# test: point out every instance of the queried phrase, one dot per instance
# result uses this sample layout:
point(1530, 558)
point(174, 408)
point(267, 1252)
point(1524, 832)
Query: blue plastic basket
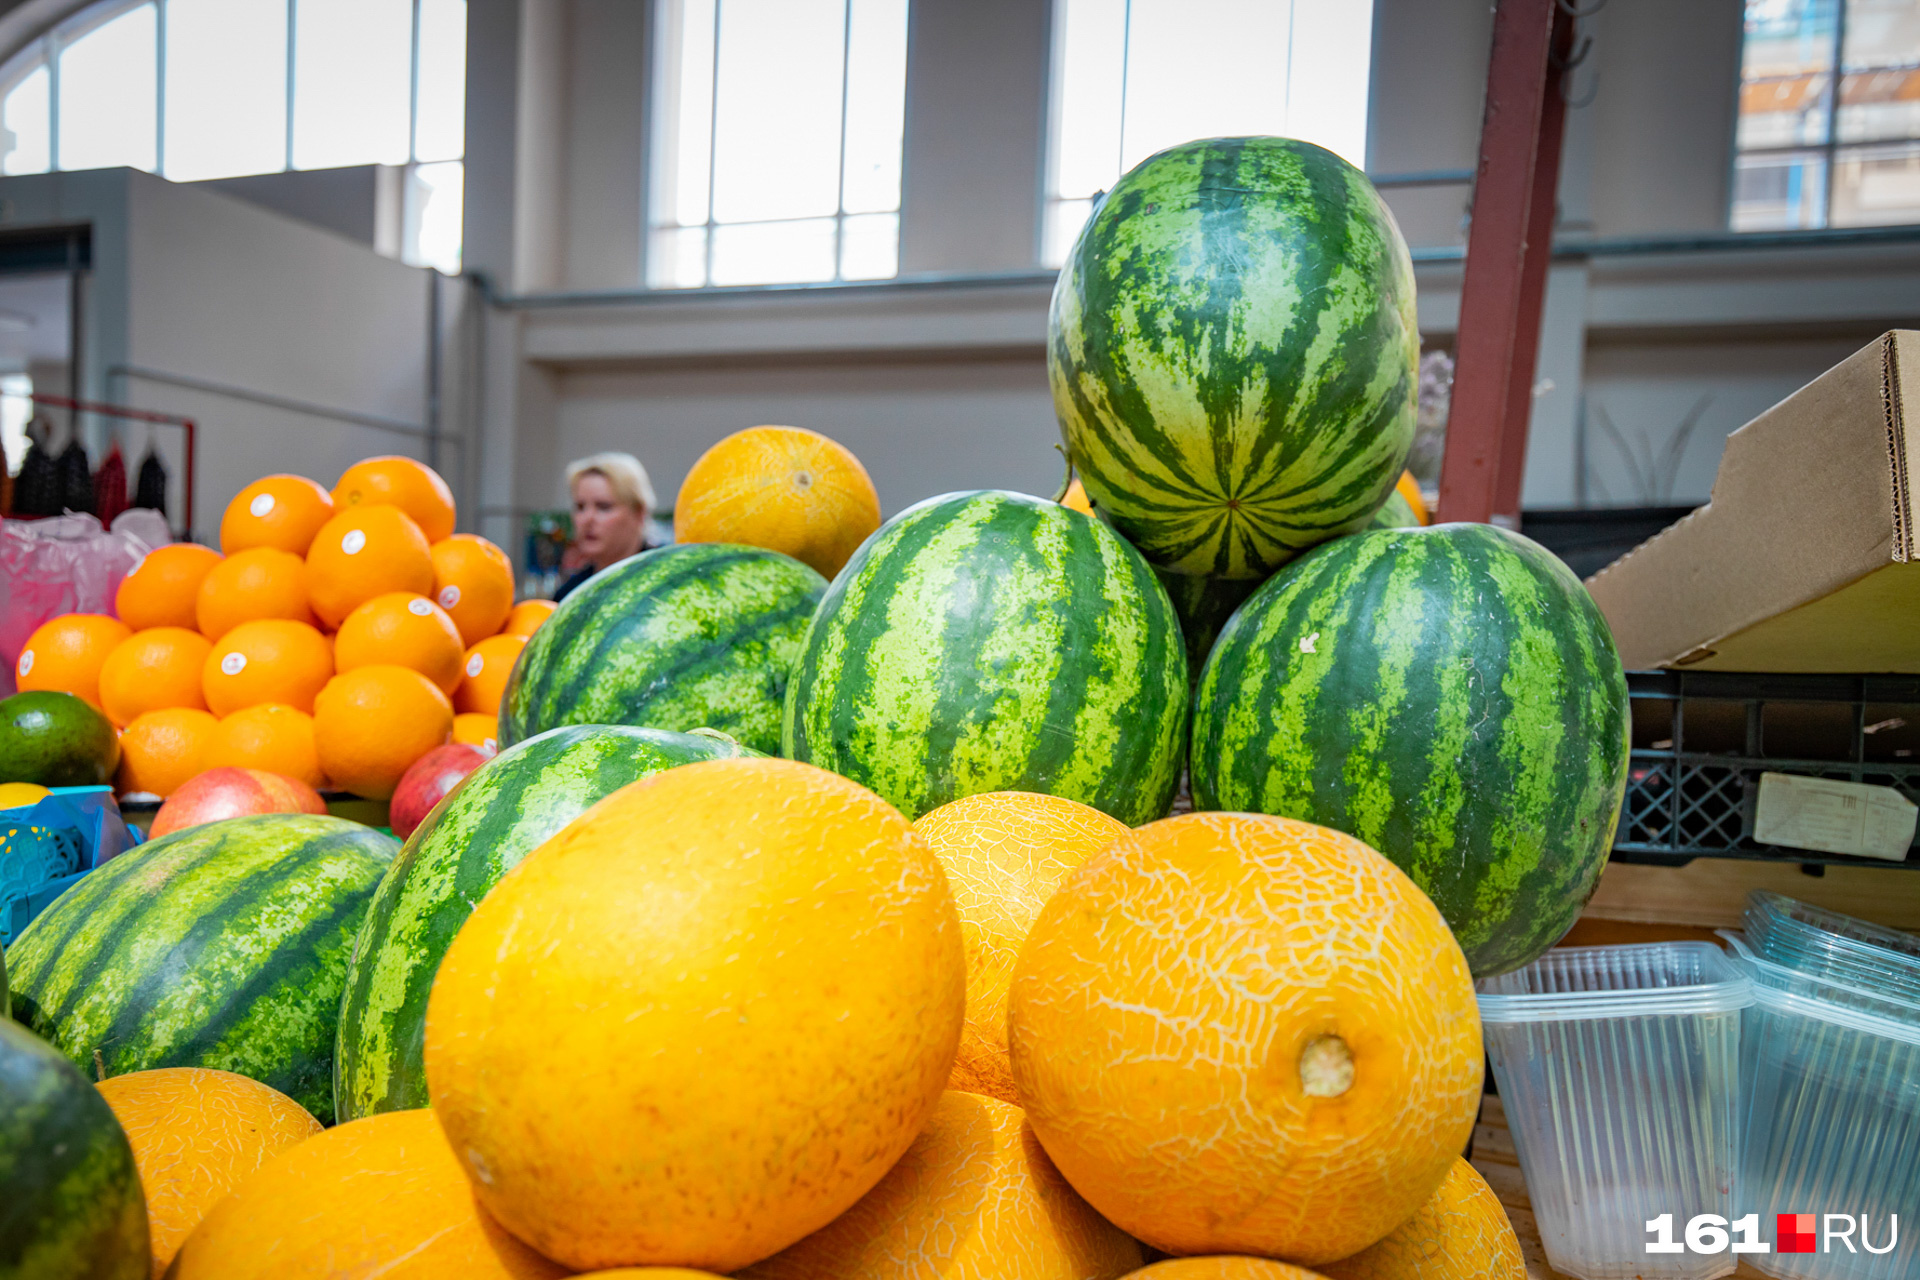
point(47, 846)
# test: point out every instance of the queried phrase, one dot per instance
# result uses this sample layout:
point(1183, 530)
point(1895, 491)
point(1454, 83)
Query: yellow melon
point(1005, 852)
point(1237, 1033)
point(196, 1135)
point(648, 1273)
point(1461, 1233)
point(784, 488)
point(1223, 1267)
point(974, 1198)
point(702, 1021)
point(377, 1197)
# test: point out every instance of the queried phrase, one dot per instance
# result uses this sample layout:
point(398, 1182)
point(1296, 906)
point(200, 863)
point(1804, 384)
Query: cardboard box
point(1804, 559)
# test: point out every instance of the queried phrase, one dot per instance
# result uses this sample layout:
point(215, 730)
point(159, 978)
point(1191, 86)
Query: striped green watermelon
point(71, 1207)
point(1398, 513)
point(1451, 696)
point(678, 638)
point(224, 945)
point(992, 641)
point(1203, 606)
point(500, 813)
point(1234, 354)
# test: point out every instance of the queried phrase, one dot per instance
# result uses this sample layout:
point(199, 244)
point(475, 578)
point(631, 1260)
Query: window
point(199, 89)
point(1132, 77)
point(778, 133)
point(1829, 131)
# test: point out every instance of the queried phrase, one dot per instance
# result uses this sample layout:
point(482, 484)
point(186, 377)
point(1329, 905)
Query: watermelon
point(71, 1207)
point(678, 638)
point(991, 641)
point(1451, 696)
point(1398, 513)
point(1234, 354)
point(223, 946)
point(1203, 606)
point(499, 813)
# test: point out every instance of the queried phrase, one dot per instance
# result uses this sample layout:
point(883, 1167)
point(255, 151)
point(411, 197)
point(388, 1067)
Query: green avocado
point(56, 740)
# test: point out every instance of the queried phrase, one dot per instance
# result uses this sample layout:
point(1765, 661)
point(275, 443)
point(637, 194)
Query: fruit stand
point(1216, 871)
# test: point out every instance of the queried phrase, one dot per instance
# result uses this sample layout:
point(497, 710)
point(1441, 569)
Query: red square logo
point(1793, 1233)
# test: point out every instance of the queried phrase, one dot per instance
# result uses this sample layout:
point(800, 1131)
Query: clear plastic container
point(1619, 1070)
point(1825, 944)
point(1831, 1117)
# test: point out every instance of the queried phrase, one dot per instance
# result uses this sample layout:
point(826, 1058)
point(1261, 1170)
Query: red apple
point(230, 792)
point(427, 780)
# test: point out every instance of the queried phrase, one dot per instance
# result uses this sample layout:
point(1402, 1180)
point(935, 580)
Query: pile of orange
point(226, 657)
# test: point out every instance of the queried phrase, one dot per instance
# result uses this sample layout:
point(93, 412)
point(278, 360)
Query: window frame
point(1829, 151)
point(662, 155)
point(46, 49)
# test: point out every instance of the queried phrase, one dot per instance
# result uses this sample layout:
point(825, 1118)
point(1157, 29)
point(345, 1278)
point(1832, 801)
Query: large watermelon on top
point(685, 637)
point(498, 814)
point(224, 945)
point(1234, 354)
point(1451, 695)
point(991, 641)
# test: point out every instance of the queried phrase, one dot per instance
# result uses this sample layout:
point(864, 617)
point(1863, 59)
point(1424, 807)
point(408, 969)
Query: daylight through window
point(1132, 77)
point(198, 89)
point(1829, 132)
point(777, 141)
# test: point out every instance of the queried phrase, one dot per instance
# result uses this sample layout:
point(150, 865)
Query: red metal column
point(1509, 247)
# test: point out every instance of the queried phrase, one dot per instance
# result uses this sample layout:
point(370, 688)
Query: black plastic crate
point(1701, 740)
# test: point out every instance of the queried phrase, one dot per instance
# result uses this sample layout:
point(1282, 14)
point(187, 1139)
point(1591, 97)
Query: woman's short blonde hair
point(623, 474)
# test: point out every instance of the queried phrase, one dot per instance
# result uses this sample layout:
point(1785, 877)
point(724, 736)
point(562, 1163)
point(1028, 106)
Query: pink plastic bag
point(64, 564)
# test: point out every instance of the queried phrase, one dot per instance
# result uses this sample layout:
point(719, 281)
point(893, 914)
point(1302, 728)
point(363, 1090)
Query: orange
point(484, 674)
point(371, 723)
point(401, 630)
point(473, 582)
point(1409, 488)
point(163, 749)
point(973, 1196)
point(269, 737)
point(378, 1197)
point(761, 1124)
point(162, 590)
point(1243, 1034)
point(527, 617)
point(1461, 1233)
point(283, 512)
point(414, 487)
point(152, 670)
point(1004, 852)
point(783, 488)
point(196, 1135)
point(262, 583)
point(362, 553)
point(271, 660)
point(66, 654)
point(1222, 1267)
point(477, 729)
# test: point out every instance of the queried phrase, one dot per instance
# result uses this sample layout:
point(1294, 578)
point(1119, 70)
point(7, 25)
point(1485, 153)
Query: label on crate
point(1834, 816)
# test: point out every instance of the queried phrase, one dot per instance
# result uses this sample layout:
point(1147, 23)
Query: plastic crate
point(1701, 740)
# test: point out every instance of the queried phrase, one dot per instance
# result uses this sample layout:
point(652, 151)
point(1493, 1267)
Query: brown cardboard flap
point(1813, 496)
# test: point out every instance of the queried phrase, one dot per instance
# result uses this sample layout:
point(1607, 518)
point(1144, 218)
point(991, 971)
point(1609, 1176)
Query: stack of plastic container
point(1830, 1058)
point(1619, 1071)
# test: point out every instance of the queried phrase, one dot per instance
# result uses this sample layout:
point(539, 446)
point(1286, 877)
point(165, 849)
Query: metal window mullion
point(846, 84)
point(53, 103)
point(1833, 108)
point(292, 17)
point(1126, 61)
point(160, 87)
point(413, 94)
point(713, 147)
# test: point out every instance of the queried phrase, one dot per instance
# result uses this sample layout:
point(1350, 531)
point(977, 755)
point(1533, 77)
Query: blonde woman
point(612, 498)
